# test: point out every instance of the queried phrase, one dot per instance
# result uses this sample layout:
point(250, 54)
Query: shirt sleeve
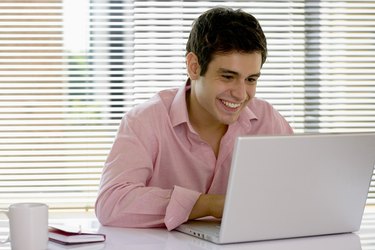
point(281, 126)
point(124, 199)
point(180, 206)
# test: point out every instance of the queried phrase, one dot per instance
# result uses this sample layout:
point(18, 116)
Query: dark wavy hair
point(222, 30)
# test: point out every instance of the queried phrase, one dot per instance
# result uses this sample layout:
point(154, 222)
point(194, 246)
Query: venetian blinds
point(70, 69)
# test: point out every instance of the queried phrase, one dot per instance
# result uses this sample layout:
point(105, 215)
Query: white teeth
point(231, 104)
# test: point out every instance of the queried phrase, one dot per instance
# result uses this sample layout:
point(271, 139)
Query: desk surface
point(158, 239)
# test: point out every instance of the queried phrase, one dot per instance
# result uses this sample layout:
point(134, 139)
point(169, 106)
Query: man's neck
point(209, 130)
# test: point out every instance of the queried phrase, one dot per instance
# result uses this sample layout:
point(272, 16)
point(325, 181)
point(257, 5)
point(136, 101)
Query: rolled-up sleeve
point(181, 203)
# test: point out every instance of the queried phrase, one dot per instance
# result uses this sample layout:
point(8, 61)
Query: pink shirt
point(158, 165)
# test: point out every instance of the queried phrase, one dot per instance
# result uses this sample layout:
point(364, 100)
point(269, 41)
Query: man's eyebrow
point(228, 71)
point(255, 75)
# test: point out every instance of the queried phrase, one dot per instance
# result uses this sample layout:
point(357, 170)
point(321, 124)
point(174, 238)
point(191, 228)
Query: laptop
point(292, 186)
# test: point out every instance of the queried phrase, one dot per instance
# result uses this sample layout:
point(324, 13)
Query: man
point(171, 158)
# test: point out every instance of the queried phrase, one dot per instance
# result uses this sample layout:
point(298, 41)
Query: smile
point(231, 104)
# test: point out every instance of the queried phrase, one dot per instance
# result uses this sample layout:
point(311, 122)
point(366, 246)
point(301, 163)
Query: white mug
point(28, 226)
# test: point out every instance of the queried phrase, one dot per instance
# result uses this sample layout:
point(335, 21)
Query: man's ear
point(192, 65)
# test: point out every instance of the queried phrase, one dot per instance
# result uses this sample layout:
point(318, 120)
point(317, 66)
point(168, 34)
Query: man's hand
point(208, 205)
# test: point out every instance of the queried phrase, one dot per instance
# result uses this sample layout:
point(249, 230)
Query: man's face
point(229, 83)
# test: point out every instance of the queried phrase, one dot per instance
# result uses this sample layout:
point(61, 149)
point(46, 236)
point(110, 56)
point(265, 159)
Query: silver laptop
point(293, 186)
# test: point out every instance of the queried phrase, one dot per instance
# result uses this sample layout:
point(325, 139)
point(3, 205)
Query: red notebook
point(67, 237)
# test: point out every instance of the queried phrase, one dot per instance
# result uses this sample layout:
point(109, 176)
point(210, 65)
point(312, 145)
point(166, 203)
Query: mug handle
point(8, 239)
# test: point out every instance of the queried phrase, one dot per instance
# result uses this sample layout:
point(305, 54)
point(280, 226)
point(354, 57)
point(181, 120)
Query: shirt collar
point(247, 115)
point(178, 111)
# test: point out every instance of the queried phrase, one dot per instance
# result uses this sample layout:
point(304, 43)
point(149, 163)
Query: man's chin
point(229, 121)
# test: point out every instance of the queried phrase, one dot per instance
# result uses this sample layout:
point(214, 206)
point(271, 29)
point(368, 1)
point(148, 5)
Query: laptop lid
point(293, 186)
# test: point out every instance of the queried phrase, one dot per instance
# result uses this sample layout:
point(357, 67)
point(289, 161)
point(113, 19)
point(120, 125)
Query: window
point(70, 69)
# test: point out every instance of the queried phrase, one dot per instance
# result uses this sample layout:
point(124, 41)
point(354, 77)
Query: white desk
point(158, 239)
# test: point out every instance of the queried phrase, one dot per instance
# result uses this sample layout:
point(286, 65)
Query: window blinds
point(70, 69)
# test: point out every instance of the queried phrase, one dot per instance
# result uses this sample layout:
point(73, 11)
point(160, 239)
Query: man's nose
point(239, 90)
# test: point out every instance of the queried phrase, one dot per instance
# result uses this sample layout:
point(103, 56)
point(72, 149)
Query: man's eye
point(228, 77)
point(252, 80)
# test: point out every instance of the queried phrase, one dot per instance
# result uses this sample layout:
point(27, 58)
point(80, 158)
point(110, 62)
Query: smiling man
point(170, 160)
